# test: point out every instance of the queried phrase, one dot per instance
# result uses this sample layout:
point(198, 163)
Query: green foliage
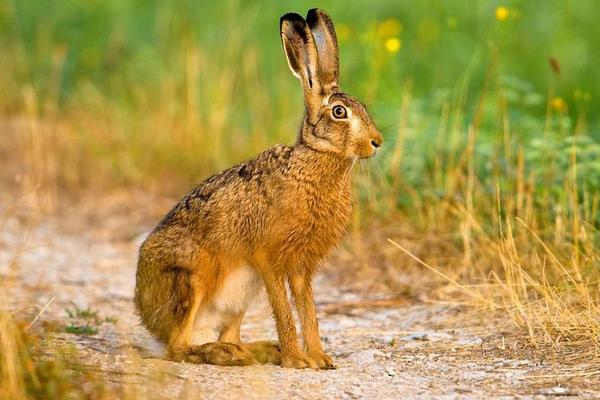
point(180, 89)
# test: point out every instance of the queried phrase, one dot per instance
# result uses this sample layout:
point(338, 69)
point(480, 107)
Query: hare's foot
point(322, 359)
point(265, 351)
point(298, 360)
point(221, 353)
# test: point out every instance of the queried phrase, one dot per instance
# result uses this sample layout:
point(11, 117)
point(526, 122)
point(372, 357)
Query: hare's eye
point(339, 112)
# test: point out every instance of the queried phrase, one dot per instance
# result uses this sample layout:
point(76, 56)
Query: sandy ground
point(383, 348)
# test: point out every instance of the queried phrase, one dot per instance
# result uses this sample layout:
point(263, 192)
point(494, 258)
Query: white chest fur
point(234, 296)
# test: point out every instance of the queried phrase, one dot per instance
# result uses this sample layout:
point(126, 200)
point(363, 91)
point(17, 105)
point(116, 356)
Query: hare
point(266, 222)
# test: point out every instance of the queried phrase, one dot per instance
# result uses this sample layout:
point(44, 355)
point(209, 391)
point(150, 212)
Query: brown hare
point(268, 221)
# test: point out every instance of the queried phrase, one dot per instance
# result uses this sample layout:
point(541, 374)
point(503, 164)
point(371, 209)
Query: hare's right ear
point(301, 54)
point(323, 32)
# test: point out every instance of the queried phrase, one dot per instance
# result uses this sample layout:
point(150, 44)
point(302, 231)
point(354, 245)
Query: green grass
point(91, 321)
point(86, 330)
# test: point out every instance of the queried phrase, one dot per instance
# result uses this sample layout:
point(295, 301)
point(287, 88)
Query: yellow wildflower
point(558, 104)
point(502, 13)
point(392, 45)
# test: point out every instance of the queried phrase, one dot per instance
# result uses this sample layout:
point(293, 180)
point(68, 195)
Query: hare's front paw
point(299, 360)
point(322, 359)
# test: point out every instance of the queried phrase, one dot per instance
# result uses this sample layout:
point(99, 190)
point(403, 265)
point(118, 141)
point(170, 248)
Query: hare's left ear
point(325, 39)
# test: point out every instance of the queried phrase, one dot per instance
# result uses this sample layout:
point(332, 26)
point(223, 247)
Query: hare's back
point(239, 197)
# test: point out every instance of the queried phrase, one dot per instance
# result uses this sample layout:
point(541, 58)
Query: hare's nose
point(376, 140)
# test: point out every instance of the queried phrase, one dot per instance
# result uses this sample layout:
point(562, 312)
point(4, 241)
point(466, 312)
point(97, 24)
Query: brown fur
point(279, 213)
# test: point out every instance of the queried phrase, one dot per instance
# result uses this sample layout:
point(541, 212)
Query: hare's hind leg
point(216, 353)
point(167, 302)
point(221, 353)
point(265, 351)
point(185, 303)
point(226, 353)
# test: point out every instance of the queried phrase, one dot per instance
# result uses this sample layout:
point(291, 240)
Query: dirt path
point(383, 349)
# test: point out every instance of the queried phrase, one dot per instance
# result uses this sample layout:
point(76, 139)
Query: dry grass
point(507, 251)
point(26, 371)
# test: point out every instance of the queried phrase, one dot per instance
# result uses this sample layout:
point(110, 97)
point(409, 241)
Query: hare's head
point(334, 122)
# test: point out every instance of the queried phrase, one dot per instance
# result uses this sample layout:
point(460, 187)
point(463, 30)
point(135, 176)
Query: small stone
point(557, 391)
point(364, 357)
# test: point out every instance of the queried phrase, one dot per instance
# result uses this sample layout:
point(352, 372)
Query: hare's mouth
point(365, 155)
point(366, 151)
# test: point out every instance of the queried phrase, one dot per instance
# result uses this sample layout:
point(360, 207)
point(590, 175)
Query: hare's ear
point(325, 39)
point(301, 54)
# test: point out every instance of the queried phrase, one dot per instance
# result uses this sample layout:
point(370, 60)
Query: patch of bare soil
point(79, 271)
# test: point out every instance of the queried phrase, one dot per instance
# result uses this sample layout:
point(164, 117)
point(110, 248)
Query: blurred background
point(132, 92)
point(490, 171)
